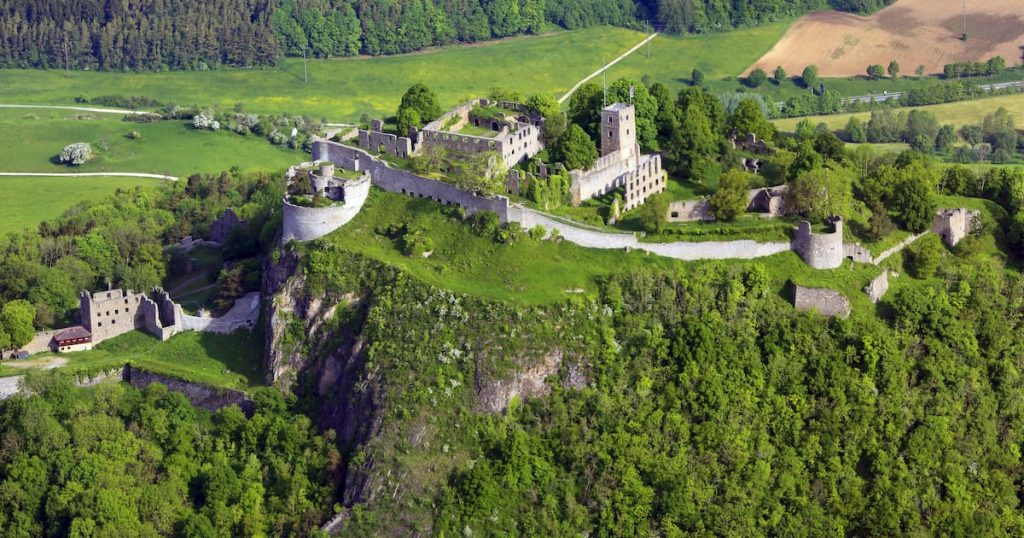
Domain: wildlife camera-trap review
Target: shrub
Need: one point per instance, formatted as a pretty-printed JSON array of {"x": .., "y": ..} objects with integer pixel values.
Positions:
[
  {"x": 537, "y": 233},
  {"x": 76, "y": 154},
  {"x": 485, "y": 223},
  {"x": 924, "y": 256},
  {"x": 134, "y": 135},
  {"x": 205, "y": 120},
  {"x": 277, "y": 138}
]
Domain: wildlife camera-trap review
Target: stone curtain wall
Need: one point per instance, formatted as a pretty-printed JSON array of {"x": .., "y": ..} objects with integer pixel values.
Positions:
[
  {"x": 399, "y": 146},
  {"x": 645, "y": 181},
  {"x": 403, "y": 182},
  {"x": 826, "y": 301},
  {"x": 308, "y": 223},
  {"x": 243, "y": 315},
  {"x": 708, "y": 250}
]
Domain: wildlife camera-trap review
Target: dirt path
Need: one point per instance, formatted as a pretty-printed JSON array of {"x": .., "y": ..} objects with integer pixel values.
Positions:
[
  {"x": 46, "y": 363},
  {"x": 89, "y": 174},
  {"x": 621, "y": 57},
  {"x": 81, "y": 108}
]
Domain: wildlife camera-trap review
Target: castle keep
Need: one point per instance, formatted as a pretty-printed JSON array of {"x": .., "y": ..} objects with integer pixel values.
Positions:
[{"x": 621, "y": 164}]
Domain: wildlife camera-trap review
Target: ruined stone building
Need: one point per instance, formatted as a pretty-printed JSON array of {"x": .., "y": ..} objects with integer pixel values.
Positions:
[
  {"x": 621, "y": 164},
  {"x": 221, "y": 228},
  {"x": 515, "y": 130}
]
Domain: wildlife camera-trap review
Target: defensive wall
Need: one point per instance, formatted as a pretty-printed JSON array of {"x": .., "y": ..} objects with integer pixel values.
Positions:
[
  {"x": 952, "y": 225},
  {"x": 243, "y": 315},
  {"x": 826, "y": 301},
  {"x": 394, "y": 180},
  {"x": 307, "y": 223}
]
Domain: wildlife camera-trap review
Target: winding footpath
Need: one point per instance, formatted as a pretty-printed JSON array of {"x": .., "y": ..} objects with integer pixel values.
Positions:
[
  {"x": 89, "y": 174},
  {"x": 604, "y": 68}
]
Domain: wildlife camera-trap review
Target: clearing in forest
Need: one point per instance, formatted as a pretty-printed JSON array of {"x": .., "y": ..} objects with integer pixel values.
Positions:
[{"x": 912, "y": 32}]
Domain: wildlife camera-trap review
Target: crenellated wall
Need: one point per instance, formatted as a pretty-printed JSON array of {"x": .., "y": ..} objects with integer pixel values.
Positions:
[{"x": 820, "y": 251}]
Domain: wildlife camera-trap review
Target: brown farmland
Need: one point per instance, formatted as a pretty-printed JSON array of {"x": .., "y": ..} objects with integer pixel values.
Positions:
[{"x": 912, "y": 32}]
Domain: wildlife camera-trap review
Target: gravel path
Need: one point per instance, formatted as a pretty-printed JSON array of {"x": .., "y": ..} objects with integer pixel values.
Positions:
[
  {"x": 121, "y": 111},
  {"x": 623, "y": 56}
]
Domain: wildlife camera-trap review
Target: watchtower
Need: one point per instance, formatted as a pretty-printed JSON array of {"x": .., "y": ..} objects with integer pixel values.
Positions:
[{"x": 618, "y": 130}]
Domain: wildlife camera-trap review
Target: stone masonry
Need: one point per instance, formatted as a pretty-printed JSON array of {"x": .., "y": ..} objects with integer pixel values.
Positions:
[
  {"x": 621, "y": 164},
  {"x": 517, "y": 136},
  {"x": 820, "y": 251},
  {"x": 827, "y": 302}
]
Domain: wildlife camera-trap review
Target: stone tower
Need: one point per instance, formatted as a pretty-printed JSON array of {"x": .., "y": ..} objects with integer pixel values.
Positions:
[{"x": 618, "y": 130}]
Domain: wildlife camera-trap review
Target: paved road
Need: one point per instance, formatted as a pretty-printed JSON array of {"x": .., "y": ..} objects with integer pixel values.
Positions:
[
  {"x": 82, "y": 109},
  {"x": 89, "y": 174},
  {"x": 621, "y": 57}
]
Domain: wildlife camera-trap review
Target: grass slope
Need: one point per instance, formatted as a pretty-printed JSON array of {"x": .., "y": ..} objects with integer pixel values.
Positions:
[
  {"x": 961, "y": 113},
  {"x": 541, "y": 272},
  {"x": 230, "y": 361},
  {"x": 344, "y": 89},
  {"x": 27, "y": 201}
]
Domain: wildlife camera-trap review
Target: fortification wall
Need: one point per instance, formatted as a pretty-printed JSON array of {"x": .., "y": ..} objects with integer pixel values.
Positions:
[
  {"x": 209, "y": 398},
  {"x": 308, "y": 223},
  {"x": 826, "y": 301},
  {"x": 709, "y": 250},
  {"x": 645, "y": 181},
  {"x": 877, "y": 288},
  {"x": 608, "y": 174},
  {"x": 408, "y": 183},
  {"x": 399, "y": 146},
  {"x": 820, "y": 251},
  {"x": 690, "y": 210},
  {"x": 243, "y": 315}
]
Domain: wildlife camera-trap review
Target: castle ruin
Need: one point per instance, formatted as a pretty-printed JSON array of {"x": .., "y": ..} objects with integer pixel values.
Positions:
[
  {"x": 820, "y": 251},
  {"x": 621, "y": 164}
]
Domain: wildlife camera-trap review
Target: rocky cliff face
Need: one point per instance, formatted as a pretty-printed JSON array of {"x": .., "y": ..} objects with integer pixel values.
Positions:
[{"x": 396, "y": 367}]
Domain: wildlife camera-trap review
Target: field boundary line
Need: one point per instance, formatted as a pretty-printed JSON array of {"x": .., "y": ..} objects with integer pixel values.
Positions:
[
  {"x": 80, "y": 109},
  {"x": 604, "y": 68},
  {"x": 89, "y": 174}
]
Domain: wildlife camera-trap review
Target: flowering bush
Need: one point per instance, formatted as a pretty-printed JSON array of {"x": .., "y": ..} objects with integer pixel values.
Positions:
[{"x": 76, "y": 154}]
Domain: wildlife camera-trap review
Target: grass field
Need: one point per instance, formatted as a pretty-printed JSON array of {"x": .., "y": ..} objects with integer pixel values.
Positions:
[
  {"x": 27, "y": 201},
  {"x": 230, "y": 361},
  {"x": 720, "y": 56},
  {"x": 166, "y": 147},
  {"x": 961, "y": 113},
  {"x": 344, "y": 89}
]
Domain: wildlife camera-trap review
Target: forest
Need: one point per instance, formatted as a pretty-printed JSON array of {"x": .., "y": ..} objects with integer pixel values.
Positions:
[
  {"x": 176, "y": 34},
  {"x": 118, "y": 461}
]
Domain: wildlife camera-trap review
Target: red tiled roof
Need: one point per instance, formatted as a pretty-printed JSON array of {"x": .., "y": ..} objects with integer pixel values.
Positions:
[{"x": 72, "y": 333}]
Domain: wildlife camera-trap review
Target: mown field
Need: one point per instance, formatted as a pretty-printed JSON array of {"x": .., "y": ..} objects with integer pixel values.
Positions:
[
  {"x": 167, "y": 147},
  {"x": 27, "y": 201},
  {"x": 961, "y": 113},
  {"x": 344, "y": 89}
]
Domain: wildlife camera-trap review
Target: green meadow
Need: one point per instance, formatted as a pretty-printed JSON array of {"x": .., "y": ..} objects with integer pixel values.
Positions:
[
  {"x": 166, "y": 147},
  {"x": 343, "y": 89},
  {"x": 27, "y": 201}
]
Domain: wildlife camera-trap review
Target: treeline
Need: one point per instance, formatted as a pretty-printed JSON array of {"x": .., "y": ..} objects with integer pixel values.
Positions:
[
  {"x": 175, "y": 34},
  {"x": 993, "y": 66}
]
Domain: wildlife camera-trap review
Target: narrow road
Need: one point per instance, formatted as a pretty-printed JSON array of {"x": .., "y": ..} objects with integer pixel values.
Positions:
[
  {"x": 89, "y": 174},
  {"x": 621, "y": 57},
  {"x": 888, "y": 96},
  {"x": 81, "y": 108}
]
